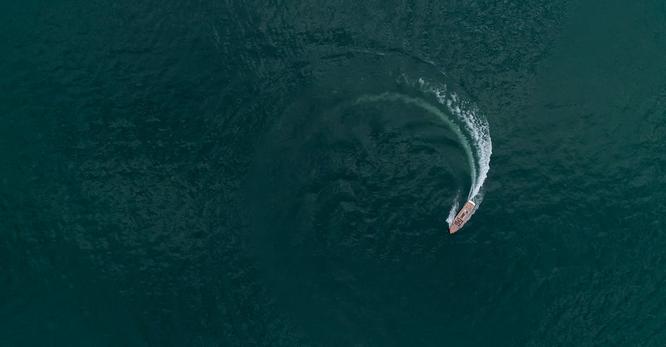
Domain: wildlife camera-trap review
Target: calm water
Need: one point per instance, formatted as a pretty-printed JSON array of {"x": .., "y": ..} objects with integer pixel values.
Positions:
[{"x": 227, "y": 173}]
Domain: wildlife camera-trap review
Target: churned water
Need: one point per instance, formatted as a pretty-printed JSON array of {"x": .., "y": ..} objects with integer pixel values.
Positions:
[{"x": 281, "y": 173}]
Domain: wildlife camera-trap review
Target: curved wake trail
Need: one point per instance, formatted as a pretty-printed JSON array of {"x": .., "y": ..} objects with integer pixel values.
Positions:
[
  {"x": 453, "y": 210},
  {"x": 477, "y": 129},
  {"x": 388, "y": 96},
  {"x": 471, "y": 129}
]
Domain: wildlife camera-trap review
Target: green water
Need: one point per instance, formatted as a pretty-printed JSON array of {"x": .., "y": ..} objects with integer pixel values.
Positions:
[{"x": 227, "y": 173}]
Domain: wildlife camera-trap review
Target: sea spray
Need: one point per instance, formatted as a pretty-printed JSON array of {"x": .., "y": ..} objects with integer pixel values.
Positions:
[
  {"x": 388, "y": 96},
  {"x": 476, "y": 127},
  {"x": 471, "y": 129},
  {"x": 453, "y": 210}
]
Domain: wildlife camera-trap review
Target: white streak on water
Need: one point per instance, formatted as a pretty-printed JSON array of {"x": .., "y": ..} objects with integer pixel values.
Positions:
[
  {"x": 474, "y": 135},
  {"x": 453, "y": 210},
  {"x": 435, "y": 111},
  {"x": 476, "y": 127}
]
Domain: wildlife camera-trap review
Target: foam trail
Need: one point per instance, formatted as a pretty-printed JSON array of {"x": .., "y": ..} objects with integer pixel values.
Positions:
[
  {"x": 454, "y": 209},
  {"x": 474, "y": 135},
  {"x": 478, "y": 199},
  {"x": 435, "y": 111},
  {"x": 477, "y": 129}
]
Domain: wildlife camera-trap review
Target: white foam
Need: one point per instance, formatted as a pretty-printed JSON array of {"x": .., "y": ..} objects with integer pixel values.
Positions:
[
  {"x": 435, "y": 111},
  {"x": 453, "y": 210},
  {"x": 470, "y": 127},
  {"x": 476, "y": 127}
]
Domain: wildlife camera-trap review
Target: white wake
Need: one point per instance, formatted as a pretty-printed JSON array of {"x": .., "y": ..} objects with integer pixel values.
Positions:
[
  {"x": 477, "y": 129},
  {"x": 471, "y": 129},
  {"x": 453, "y": 210}
]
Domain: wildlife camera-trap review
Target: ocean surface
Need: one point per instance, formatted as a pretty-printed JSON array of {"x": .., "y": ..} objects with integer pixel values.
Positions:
[{"x": 281, "y": 173}]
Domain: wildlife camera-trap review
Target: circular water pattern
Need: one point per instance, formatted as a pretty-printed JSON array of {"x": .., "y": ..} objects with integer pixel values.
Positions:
[
  {"x": 354, "y": 182},
  {"x": 278, "y": 174}
]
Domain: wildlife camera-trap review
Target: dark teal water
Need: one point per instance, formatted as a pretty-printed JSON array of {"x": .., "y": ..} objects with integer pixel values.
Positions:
[{"x": 215, "y": 173}]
